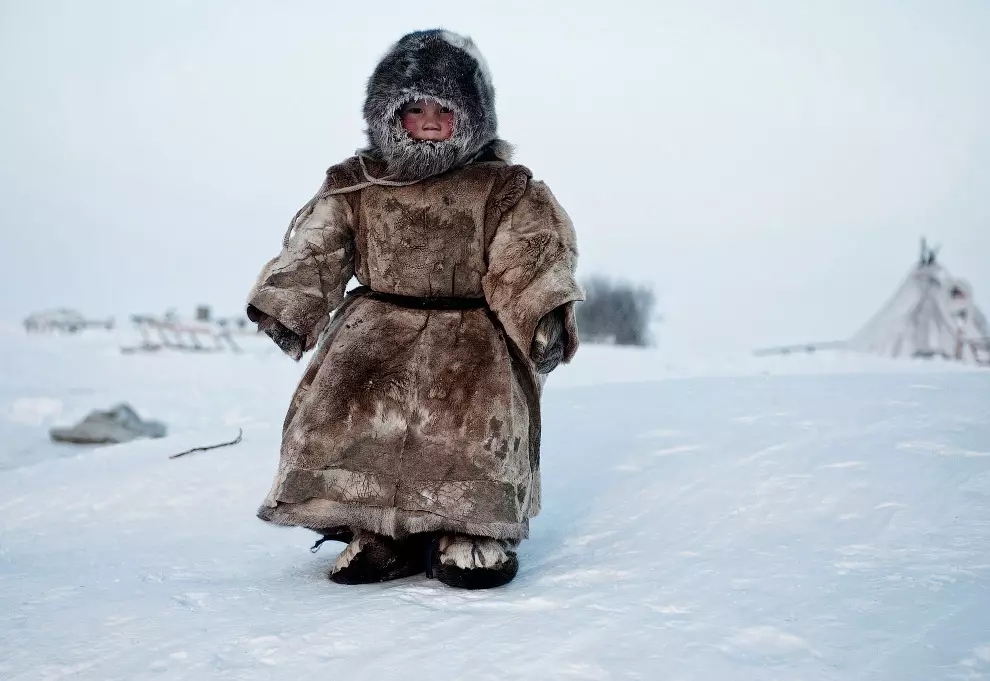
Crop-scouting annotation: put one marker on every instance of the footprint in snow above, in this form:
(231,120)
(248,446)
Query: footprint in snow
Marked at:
(659,433)
(941,449)
(178,657)
(443,599)
(193,601)
(586,576)
(584,670)
(841,465)
(680,449)
(666,451)
(978,661)
(750,419)
(757,644)
(586,539)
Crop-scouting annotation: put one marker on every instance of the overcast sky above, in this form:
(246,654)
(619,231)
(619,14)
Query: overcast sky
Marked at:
(768,166)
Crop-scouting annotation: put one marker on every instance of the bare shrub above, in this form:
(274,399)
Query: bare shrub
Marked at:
(615,312)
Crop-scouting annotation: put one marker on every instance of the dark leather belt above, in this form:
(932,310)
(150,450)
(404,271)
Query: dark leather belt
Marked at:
(422,303)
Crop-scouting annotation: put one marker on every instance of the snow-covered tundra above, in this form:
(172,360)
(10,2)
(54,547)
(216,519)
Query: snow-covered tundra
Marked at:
(804,518)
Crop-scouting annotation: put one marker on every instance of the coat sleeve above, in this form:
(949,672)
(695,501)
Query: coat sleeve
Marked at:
(531,268)
(303,284)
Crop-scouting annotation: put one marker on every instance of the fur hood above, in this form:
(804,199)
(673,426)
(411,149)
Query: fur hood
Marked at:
(444,67)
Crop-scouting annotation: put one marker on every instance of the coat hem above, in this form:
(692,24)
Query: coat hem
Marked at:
(321,514)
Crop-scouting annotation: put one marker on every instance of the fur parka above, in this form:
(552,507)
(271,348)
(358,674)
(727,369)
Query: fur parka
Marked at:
(419,420)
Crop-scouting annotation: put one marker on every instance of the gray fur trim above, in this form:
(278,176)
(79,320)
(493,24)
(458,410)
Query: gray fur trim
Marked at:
(441,66)
(391,522)
(501,150)
(549,343)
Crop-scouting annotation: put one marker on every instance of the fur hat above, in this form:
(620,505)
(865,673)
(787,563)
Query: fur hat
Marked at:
(444,67)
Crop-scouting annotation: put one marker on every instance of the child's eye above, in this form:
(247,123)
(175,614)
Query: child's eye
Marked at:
(414,110)
(445,110)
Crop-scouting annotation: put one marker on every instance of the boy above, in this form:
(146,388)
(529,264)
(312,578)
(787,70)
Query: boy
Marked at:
(414,432)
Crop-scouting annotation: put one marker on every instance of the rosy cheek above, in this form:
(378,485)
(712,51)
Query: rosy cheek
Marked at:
(410,124)
(447,122)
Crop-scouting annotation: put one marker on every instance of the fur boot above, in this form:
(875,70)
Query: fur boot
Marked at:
(371,558)
(468,562)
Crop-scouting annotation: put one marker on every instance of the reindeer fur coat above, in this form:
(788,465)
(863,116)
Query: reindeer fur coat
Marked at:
(419,420)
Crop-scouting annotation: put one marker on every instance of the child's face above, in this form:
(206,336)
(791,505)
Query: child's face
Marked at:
(426,120)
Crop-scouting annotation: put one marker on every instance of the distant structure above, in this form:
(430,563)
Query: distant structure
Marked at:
(205,332)
(171,333)
(931,314)
(64,320)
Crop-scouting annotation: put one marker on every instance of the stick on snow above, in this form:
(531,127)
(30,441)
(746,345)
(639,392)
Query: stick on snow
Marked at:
(203,449)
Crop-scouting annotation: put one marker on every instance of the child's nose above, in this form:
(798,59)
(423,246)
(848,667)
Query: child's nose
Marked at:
(431,121)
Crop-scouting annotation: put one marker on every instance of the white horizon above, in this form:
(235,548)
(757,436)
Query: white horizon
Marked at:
(769,168)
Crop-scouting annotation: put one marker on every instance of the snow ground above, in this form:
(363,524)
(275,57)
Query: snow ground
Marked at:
(802,518)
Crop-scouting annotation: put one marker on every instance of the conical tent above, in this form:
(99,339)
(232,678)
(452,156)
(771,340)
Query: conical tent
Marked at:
(932,314)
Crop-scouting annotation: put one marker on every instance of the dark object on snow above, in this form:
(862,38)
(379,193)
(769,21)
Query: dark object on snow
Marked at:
(615,312)
(373,558)
(470,578)
(209,447)
(119,424)
(370,558)
(474,579)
